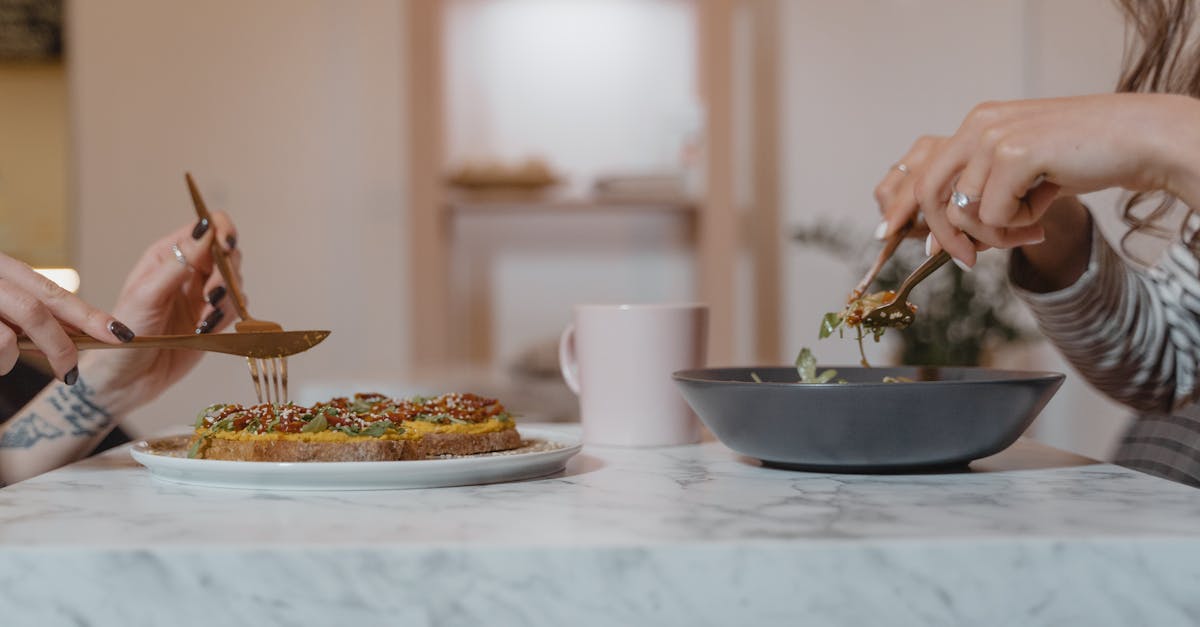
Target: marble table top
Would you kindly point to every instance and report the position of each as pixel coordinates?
(693, 535)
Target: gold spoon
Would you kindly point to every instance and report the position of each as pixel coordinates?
(897, 312)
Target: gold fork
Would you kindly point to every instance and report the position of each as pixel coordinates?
(270, 375)
(889, 248)
(897, 312)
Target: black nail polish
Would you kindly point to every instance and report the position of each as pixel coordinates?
(120, 331)
(200, 229)
(215, 295)
(211, 321)
(231, 241)
(72, 376)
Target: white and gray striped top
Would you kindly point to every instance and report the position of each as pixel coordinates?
(1134, 334)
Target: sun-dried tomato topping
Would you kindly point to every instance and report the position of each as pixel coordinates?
(353, 414)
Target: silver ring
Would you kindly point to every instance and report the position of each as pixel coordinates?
(180, 258)
(901, 168)
(960, 199)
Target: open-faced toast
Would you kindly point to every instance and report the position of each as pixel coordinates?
(368, 427)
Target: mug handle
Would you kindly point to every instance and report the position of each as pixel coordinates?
(568, 363)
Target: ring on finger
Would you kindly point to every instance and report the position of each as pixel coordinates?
(179, 256)
(960, 199)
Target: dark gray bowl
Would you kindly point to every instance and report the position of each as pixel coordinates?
(946, 418)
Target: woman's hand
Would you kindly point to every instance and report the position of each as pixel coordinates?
(164, 295)
(894, 194)
(32, 305)
(1013, 159)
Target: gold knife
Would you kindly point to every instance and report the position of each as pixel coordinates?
(262, 345)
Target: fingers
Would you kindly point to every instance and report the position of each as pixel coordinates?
(1013, 174)
(885, 191)
(66, 308)
(895, 193)
(226, 231)
(942, 230)
(175, 265)
(19, 307)
(986, 236)
(219, 307)
(9, 353)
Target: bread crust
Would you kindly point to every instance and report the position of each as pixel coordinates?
(434, 444)
(365, 450)
(273, 450)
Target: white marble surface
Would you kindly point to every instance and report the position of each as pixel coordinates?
(689, 535)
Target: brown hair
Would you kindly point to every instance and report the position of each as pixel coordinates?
(1160, 57)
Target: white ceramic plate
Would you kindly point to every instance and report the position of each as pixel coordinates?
(545, 452)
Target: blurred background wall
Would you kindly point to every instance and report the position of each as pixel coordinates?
(291, 114)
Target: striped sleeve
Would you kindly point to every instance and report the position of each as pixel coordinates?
(1132, 333)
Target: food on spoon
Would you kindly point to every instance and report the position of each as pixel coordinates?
(367, 427)
(852, 317)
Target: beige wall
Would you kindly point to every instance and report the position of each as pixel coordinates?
(288, 113)
(33, 163)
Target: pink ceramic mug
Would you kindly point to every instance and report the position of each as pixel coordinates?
(619, 360)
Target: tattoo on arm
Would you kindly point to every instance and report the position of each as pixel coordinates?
(73, 403)
(27, 431)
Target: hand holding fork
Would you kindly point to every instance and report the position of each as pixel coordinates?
(270, 375)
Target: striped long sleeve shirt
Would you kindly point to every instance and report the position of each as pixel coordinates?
(1134, 334)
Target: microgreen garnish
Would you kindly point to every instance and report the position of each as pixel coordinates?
(829, 323)
(806, 366)
(316, 424)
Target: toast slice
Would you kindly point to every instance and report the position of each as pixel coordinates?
(369, 427)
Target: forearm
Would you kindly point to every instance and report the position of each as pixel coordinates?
(60, 425)
(1134, 335)
(1176, 146)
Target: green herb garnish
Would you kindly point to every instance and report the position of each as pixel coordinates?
(202, 441)
(208, 412)
(318, 423)
(806, 365)
(829, 323)
(377, 428)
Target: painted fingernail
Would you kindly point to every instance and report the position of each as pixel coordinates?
(120, 331)
(929, 244)
(962, 265)
(231, 242)
(215, 295)
(200, 229)
(72, 376)
(211, 321)
(881, 230)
